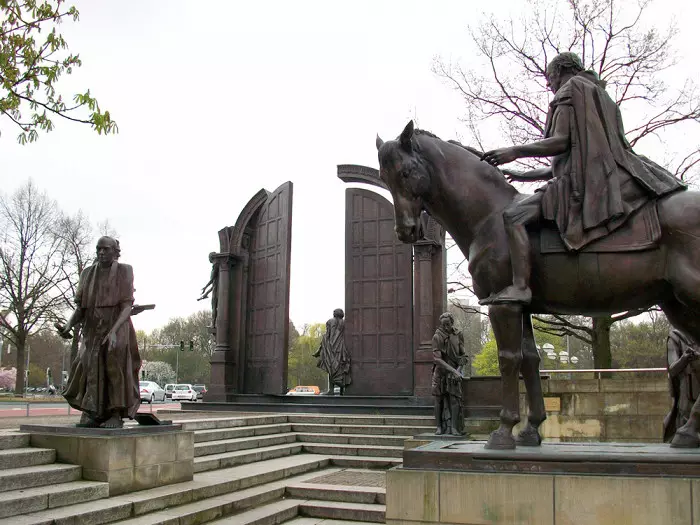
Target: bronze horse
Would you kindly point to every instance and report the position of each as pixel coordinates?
(468, 196)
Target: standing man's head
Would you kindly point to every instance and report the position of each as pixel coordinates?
(562, 68)
(211, 257)
(447, 321)
(108, 250)
(338, 312)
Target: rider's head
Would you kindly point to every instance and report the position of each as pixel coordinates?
(562, 68)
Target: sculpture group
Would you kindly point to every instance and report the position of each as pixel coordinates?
(597, 187)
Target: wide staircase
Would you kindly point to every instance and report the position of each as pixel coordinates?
(249, 470)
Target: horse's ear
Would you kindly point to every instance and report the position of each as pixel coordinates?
(379, 142)
(406, 135)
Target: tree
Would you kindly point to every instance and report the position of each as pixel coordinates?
(31, 259)
(302, 369)
(610, 40)
(33, 57)
(37, 376)
(8, 378)
(76, 235)
(195, 366)
(158, 371)
(641, 344)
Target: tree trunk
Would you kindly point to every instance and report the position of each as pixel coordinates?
(20, 384)
(602, 358)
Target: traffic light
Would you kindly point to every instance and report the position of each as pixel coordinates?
(182, 346)
(191, 346)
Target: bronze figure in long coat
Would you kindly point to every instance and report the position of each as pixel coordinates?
(103, 382)
(333, 355)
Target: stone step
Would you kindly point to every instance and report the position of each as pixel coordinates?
(38, 476)
(270, 514)
(231, 422)
(353, 450)
(360, 429)
(208, 448)
(13, 458)
(337, 510)
(242, 457)
(364, 462)
(218, 434)
(353, 439)
(346, 493)
(373, 421)
(10, 439)
(199, 500)
(322, 521)
(23, 501)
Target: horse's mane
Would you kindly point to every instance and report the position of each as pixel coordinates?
(470, 149)
(473, 151)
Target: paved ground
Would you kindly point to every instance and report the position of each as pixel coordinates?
(13, 422)
(19, 409)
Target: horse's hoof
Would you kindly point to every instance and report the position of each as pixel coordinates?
(501, 439)
(685, 440)
(529, 437)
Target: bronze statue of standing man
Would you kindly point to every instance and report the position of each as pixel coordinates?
(104, 381)
(448, 356)
(333, 355)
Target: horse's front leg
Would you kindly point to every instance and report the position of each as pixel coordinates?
(507, 323)
(530, 435)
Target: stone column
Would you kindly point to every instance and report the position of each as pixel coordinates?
(223, 363)
(429, 303)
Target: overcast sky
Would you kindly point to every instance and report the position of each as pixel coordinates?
(217, 100)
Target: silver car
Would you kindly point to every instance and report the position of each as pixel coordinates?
(151, 391)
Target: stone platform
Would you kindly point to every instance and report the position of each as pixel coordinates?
(461, 482)
(131, 458)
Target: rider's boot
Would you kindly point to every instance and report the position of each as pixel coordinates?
(519, 246)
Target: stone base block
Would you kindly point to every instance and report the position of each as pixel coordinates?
(575, 485)
(129, 459)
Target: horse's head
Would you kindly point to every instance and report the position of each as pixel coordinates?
(405, 173)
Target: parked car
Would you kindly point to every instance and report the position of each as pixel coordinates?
(151, 391)
(169, 390)
(201, 390)
(184, 392)
(304, 391)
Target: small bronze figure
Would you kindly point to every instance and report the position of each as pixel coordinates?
(104, 382)
(448, 357)
(333, 355)
(684, 385)
(212, 287)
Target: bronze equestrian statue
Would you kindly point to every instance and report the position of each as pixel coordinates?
(601, 195)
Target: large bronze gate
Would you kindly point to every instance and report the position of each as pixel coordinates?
(378, 298)
(252, 325)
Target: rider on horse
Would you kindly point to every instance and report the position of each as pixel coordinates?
(597, 181)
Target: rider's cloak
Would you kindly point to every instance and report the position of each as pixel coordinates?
(600, 181)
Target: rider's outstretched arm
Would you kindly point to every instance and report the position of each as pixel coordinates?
(531, 175)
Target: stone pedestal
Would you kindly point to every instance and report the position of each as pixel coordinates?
(129, 459)
(556, 484)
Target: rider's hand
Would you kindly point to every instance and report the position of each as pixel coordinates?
(513, 176)
(496, 157)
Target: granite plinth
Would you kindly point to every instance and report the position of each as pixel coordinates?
(135, 457)
(627, 459)
(127, 430)
(459, 482)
